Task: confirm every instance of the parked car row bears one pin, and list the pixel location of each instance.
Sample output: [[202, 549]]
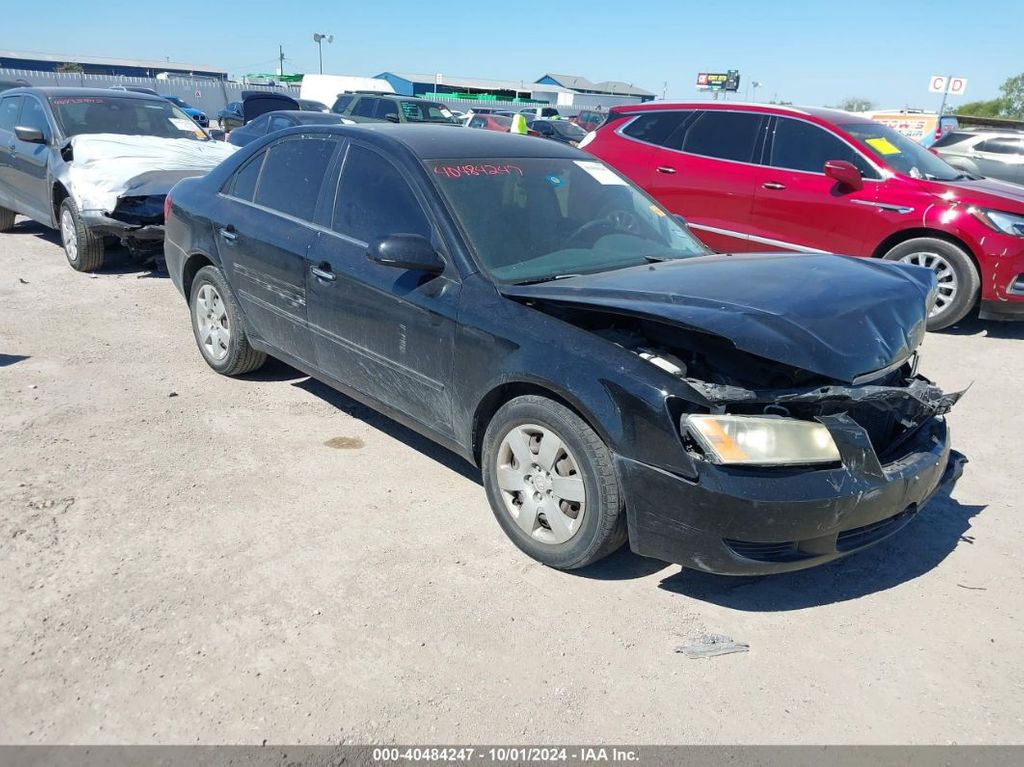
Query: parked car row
[[530, 307]]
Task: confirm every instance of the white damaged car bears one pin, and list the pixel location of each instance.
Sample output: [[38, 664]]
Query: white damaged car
[[95, 164]]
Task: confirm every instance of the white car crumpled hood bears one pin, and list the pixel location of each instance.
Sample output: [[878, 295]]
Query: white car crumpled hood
[[103, 164]]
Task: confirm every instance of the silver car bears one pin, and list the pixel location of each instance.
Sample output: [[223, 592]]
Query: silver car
[[995, 154]]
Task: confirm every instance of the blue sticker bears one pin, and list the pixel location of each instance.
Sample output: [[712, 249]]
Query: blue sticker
[[554, 180]]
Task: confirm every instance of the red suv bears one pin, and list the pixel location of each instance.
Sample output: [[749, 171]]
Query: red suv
[[758, 177]]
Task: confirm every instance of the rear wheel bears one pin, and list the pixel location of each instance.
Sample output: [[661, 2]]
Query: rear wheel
[[218, 326], [955, 273], [551, 484], [83, 247], [6, 220]]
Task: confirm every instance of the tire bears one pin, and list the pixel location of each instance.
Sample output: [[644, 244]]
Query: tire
[[83, 247], [6, 220], [581, 462], [959, 283], [218, 326]]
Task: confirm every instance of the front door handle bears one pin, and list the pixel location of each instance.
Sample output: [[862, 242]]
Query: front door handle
[[323, 272], [228, 233], [772, 185], [665, 169]]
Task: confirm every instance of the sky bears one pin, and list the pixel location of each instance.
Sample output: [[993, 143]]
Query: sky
[[811, 52]]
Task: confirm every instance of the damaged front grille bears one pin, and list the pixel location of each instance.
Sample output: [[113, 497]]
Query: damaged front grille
[[140, 211]]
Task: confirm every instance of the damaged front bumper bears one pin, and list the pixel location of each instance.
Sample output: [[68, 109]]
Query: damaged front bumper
[[734, 520], [103, 224]]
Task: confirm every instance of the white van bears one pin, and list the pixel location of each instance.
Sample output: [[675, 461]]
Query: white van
[[325, 88]]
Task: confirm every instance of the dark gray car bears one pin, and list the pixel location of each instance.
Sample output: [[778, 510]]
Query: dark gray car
[[994, 154], [37, 166], [275, 121]]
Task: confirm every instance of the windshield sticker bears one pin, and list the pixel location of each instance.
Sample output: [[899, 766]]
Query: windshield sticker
[[883, 146], [554, 180], [183, 125], [600, 173], [460, 171], [84, 100], [657, 211]]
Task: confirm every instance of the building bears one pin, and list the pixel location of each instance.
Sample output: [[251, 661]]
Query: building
[[562, 90], [434, 85], [612, 89], [99, 65]]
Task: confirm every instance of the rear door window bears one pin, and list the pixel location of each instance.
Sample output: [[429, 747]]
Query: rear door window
[[799, 145], [385, 109], [243, 184], [364, 107], [724, 135], [658, 128], [293, 173], [1001, 146], [277, 122]]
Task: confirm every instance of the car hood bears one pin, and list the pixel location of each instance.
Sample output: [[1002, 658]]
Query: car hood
[[989, 192], [836, 316], [106, 166]]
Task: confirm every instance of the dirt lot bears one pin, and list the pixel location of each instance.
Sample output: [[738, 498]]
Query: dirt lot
[[187, 558]]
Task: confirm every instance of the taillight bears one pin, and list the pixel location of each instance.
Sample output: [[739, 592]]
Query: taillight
[[167, 208]]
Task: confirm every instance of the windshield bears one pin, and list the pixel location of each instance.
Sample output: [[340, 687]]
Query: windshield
[[568, 129], [900, 153], [131, 117], [426, 112], [537, 219]]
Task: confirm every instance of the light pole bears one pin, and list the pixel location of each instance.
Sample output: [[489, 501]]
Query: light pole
[[755, 85], [319, 40]]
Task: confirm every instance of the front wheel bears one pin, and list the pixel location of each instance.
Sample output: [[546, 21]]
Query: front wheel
[[551, 483], [83, 247], [955, 273], [218, 326]]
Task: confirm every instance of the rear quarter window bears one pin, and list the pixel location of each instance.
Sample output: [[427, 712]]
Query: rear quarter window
[[724, 135], [243, 184], [657, 127]]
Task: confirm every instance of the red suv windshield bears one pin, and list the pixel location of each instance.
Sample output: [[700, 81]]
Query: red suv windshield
[[900, 153]]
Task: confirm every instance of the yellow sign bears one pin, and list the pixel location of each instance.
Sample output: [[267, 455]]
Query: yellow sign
[[883, 146]]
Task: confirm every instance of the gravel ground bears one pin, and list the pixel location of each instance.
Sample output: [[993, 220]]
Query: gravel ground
[[188, 558]]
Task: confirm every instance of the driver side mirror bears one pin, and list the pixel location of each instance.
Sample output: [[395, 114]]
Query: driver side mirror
[[845, 173], [405, 251], [30, 135]]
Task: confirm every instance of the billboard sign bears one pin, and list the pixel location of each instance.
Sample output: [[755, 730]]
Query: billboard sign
[[719, 81]]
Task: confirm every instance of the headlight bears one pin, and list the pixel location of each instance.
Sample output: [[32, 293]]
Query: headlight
[[761, 440], [1007, 223]]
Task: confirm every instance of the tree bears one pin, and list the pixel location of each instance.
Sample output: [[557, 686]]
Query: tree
[[1013, 96], [69, 66], [1009, 105], [856, 104]]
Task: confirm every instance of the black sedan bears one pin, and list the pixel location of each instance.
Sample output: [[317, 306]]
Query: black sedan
[[525, 306], [558, 130], [275, 121]]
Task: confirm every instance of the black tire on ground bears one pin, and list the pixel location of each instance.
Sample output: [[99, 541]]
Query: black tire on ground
[[603, 527], [86, 253], [968, 283], [6, 220], [241, 357]]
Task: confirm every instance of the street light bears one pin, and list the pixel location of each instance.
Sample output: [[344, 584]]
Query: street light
[[755, 85], [319, 40]]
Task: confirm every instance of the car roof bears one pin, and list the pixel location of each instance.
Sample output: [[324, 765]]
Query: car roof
[[440, 142], [52, 92], [325, 118], [833, 116]]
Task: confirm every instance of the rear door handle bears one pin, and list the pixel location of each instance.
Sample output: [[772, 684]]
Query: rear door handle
[[323, 272], [665, 169], [228, 233], [772, 185]]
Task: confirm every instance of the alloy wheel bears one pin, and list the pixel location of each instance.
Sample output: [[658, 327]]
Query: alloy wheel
[[69, 233], [944, 275], [541, 484], [212, 322]]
